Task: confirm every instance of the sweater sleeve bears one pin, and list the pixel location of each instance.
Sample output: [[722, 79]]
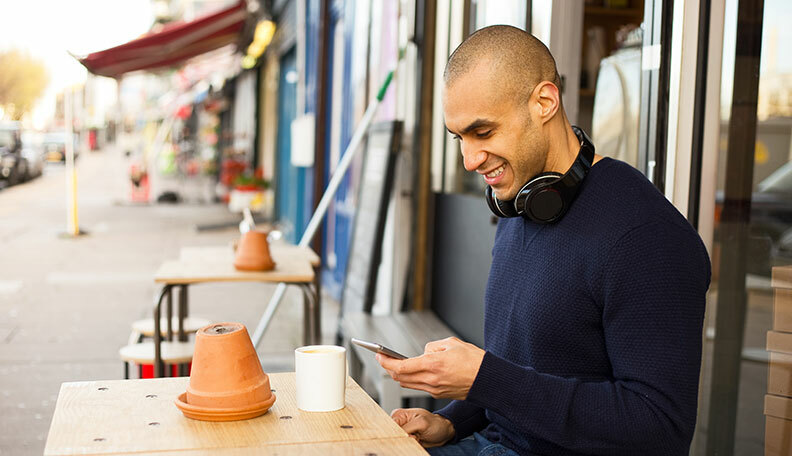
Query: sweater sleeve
[[652, 290], [466, 418]]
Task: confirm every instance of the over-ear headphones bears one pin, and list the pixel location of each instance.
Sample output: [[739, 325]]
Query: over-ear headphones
[[547, 197]]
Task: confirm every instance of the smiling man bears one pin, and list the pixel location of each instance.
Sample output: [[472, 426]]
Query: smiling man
[[595, 299]]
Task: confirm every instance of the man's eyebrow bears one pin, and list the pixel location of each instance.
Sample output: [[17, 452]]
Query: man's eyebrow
[[476, 124]]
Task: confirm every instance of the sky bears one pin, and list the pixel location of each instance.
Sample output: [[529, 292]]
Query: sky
[[49, 29]]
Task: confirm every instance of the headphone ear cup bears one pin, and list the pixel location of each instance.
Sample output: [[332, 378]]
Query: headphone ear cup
[[538, 201], [504, 209]]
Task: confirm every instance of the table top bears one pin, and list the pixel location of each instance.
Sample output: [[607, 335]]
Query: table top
[[399, 446], [293, 264], [135, 416], [226, 252]]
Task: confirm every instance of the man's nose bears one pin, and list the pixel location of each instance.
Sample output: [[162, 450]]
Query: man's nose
[[472, 157]]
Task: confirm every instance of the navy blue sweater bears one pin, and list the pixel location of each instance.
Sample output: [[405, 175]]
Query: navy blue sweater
[[592, 327]]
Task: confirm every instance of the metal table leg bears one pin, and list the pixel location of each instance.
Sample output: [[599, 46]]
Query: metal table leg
[[312, 324], [158, 368], [169, 312], [182, 312]]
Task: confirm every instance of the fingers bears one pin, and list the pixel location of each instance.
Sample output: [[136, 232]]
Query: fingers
[[411, 420], [400, 416], [431, 389], [400, 366], [416, 426]]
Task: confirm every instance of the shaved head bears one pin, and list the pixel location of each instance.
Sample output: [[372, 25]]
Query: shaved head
[[513, 56], [502, 102]]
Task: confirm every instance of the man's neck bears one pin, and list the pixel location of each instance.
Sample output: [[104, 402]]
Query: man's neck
[[564, 146]]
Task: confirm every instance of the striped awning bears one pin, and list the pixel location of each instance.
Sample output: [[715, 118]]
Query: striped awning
[[171, 45]]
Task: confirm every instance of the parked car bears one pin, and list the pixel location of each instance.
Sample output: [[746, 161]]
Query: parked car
[[12, 167], [770, 237], [54, 144], [32, 154]]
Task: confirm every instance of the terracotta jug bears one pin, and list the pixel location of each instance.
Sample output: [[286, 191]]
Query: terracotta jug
[[253, 253], [226, 381]]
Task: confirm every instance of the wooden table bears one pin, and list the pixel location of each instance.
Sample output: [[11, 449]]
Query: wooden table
[[293, 265], [138, 416], [219, 253]]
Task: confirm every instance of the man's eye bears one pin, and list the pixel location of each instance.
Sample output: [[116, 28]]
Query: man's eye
[[483, 134], [456, 137]]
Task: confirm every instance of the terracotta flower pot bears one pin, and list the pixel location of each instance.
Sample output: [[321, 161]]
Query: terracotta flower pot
[[226, 381], [253, 253]]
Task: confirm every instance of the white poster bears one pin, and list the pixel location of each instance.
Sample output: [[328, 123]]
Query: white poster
[[302, 141]]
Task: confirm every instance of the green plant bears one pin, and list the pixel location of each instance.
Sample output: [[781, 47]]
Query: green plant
[[247, 180]]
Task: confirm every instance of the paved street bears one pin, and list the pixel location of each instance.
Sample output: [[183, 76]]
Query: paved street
[[66, 304]]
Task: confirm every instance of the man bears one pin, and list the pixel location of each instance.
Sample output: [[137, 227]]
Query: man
[[592, 323]]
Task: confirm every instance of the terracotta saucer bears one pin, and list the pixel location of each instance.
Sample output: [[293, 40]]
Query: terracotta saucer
[[223, 414]]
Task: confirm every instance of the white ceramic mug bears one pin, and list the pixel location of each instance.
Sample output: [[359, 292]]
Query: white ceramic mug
[[321, 377]]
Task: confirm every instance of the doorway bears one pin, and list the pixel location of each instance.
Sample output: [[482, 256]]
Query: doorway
[[290, 179]]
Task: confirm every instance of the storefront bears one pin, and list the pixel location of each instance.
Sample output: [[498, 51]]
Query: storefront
[[669, 88]]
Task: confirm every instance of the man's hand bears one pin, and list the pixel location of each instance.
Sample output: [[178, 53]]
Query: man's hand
[[447, 368], [428, 429]]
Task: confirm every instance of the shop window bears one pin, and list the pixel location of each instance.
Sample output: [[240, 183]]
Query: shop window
[[753, 235], [610, 77]]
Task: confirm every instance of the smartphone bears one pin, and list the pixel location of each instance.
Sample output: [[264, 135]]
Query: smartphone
[[378, 348]]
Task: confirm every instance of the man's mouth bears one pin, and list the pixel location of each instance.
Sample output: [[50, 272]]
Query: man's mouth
[[496, 172], [494, 177]]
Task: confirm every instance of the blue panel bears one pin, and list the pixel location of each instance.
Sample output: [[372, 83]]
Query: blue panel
[[290, 181], [333, 279], [311, 53]]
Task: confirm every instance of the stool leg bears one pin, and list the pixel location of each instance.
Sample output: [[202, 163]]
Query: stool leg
[[140, 370], [126, 370]]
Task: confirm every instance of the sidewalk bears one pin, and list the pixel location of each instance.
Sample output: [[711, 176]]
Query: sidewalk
[[66, 304]]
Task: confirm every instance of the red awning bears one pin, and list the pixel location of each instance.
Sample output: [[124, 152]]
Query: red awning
[[174, 43]]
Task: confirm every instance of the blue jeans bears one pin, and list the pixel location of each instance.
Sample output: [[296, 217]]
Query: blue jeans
[[476, 446]]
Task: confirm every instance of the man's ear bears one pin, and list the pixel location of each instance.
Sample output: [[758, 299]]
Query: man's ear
[[547, 99]]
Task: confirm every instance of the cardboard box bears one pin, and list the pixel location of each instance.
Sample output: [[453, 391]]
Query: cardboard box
[[779, 342], [778, 426], [782, 310], [779, 378], [782, 277]]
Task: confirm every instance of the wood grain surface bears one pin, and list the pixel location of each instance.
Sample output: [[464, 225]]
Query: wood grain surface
[[226, 253], [216, 264], [397, 446], [139, 416]]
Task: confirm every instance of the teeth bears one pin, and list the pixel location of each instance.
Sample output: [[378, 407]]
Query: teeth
[[495, 173]]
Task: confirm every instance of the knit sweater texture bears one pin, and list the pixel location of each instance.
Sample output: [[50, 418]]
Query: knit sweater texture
[[592, 327]]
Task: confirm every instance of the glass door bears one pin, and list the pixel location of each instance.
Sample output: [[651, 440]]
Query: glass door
[[746, 367]]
